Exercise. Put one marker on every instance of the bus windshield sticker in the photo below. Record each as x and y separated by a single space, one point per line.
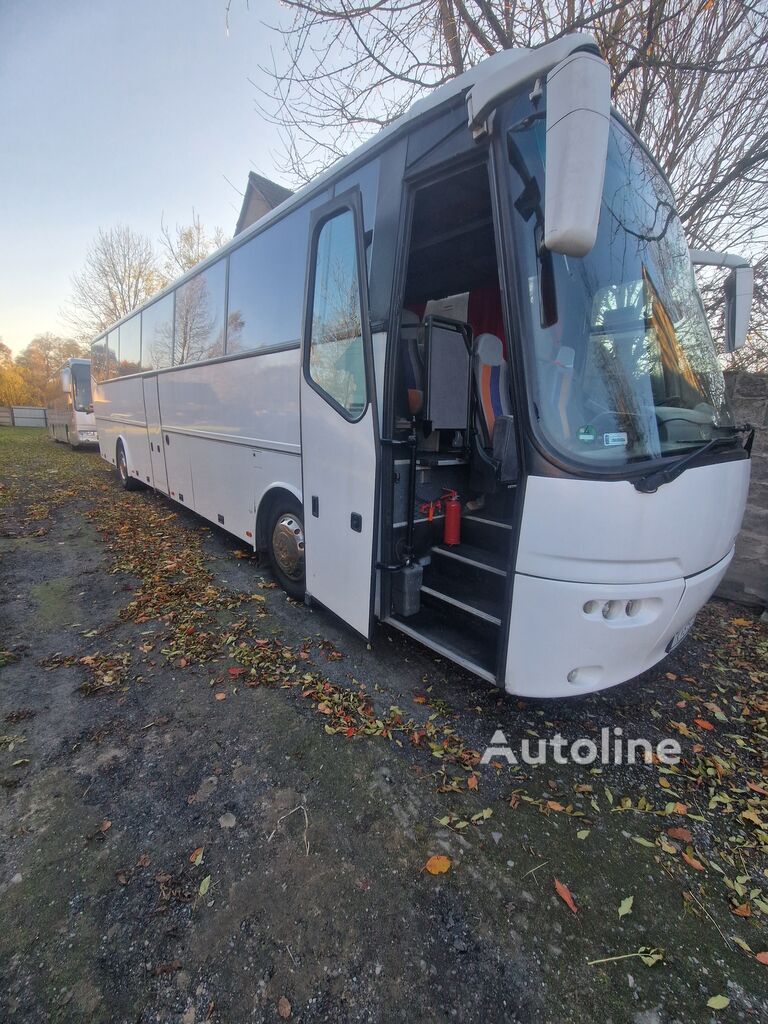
587 434
618 438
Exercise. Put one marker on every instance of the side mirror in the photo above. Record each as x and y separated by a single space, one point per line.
578 120
738 303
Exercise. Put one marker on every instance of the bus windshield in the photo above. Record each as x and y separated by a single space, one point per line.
620 360
81 387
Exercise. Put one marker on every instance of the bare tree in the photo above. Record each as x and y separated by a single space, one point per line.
119 273
689 77
187 245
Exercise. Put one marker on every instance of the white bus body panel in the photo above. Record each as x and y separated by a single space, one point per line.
120 416
586 543
596 531
222 434
252 401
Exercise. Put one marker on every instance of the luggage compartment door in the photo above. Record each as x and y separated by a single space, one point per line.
154 433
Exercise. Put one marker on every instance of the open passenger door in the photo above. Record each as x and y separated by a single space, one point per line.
339 427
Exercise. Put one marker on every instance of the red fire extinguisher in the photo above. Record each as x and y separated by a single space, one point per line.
452 529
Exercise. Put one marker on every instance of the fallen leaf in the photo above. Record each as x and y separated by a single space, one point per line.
695 864
642 842
650 956
625 907
742 910
582 833
196 857
703 723
718 1002
169 968
472 782
205 885
681 834
565 895
220 696
553 805
752 815
762 958
438 865
143 861
284 1008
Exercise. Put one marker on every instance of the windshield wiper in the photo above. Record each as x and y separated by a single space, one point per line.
651 482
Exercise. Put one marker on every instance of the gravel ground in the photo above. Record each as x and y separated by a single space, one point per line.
219 805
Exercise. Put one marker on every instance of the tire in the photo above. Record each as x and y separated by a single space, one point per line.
126 480
285 544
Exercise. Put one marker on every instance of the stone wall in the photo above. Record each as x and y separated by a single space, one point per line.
747 578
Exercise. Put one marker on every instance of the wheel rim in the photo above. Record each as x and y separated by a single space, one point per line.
288 546
122 466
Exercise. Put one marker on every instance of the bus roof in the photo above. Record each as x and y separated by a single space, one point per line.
422 108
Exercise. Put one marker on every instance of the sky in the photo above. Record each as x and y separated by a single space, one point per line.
119 112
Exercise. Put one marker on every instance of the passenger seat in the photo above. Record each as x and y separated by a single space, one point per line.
492 382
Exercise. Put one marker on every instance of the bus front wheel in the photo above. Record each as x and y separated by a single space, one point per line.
285 539
126 480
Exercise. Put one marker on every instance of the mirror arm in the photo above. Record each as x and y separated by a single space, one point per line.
508 70
713 258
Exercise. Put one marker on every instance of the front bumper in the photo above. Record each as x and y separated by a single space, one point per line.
568 638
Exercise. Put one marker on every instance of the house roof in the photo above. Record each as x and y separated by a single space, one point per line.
272 194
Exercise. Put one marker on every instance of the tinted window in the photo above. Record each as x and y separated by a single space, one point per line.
157 334
130 346
200 316
336 343
266 285
81 387
99 359
113 341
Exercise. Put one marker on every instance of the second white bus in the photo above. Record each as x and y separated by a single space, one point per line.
70 413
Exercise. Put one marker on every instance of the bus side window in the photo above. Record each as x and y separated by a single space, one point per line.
336 361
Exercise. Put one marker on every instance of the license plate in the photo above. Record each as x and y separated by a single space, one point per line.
680 635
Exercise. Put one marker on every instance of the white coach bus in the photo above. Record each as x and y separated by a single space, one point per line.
493 298
70 413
